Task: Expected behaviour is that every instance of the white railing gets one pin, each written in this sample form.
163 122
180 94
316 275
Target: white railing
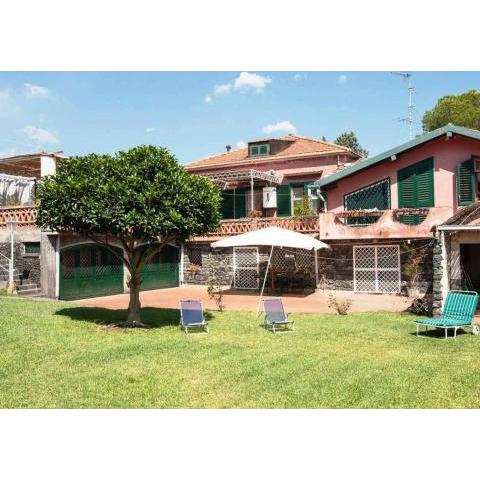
9 270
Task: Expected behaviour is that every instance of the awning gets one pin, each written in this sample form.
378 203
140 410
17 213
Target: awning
272 237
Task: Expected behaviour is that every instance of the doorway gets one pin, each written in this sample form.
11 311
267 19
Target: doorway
470 264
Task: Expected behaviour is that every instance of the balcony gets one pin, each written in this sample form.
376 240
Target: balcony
385 224
24 216
308 225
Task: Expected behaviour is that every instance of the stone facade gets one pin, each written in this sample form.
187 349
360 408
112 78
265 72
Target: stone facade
196 258
335 265
27 265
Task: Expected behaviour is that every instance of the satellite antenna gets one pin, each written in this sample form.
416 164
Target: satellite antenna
409 118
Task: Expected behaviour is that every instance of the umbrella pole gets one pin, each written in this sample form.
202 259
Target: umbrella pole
264 281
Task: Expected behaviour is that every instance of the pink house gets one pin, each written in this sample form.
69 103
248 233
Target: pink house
382 216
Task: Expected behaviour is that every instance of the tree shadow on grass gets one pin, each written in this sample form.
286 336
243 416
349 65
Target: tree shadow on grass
151 316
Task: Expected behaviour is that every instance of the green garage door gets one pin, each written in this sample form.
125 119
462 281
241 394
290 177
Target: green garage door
89 271
162 271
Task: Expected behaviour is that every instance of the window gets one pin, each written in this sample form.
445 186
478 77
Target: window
233 204
195 256
468 181
376 269
375 196
261 149
31 248
416 189
297 198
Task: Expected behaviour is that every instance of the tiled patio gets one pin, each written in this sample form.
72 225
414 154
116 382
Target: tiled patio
237 300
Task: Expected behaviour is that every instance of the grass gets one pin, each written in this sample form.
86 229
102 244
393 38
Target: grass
61 355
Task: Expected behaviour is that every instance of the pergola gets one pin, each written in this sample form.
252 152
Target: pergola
234 176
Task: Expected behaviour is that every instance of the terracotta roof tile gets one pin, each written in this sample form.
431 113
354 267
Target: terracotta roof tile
298 147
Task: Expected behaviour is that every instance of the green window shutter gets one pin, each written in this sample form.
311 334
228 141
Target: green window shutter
227 205
415 185
466 183
416 189
284 201
424 176
240 203
406 188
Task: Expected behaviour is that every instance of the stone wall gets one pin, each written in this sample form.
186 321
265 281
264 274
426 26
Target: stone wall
196 258
335 265
27 265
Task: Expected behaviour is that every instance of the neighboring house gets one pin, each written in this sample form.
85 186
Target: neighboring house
65 266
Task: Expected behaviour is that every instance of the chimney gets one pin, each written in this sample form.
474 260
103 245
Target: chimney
228 147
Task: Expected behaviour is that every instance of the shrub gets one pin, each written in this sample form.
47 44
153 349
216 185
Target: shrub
342 306
214 284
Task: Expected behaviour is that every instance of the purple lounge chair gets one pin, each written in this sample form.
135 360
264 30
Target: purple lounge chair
275 316
191 315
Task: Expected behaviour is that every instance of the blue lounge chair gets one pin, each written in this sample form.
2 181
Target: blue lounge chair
275 316
191 315
459 312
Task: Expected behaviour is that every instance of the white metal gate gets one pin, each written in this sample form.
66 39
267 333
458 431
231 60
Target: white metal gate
376 269
245 267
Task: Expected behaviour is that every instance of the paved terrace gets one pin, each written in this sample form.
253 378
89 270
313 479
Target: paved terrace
313 303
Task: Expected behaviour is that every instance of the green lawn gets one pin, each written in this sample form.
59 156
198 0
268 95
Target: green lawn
58 354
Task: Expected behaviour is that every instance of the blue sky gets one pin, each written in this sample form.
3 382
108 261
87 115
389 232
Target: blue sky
196 114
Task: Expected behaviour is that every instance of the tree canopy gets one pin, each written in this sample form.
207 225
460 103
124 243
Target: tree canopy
141 198
350 140
462 110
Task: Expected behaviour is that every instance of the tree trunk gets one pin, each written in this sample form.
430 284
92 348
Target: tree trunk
134 305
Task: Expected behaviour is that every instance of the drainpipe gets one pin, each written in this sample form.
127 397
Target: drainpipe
251 190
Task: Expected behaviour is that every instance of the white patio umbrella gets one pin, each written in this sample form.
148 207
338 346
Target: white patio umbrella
271 237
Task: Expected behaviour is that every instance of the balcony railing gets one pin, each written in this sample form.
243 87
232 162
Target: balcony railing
227 228
23 216
350 225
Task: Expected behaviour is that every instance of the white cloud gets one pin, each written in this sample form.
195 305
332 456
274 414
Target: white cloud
285 126
241 144
244 82
40 135
35 91
342 79
223 89
150 129
247 80
297 77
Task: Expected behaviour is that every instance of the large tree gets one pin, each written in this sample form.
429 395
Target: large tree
462 110
350 140
141 198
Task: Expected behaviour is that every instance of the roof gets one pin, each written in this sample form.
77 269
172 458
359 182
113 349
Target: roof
465 215
420 140
26 163
298 147
31 156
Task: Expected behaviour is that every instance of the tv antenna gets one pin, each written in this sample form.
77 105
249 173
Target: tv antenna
407 76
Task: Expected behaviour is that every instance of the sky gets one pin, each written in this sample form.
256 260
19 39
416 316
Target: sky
196 114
